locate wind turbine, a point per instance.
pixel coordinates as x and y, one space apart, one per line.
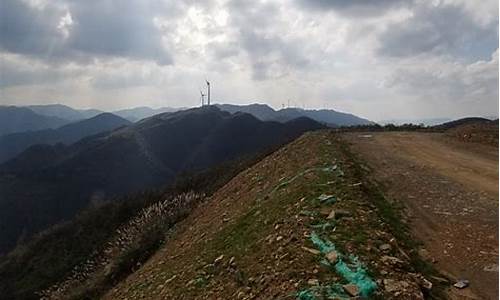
202 98
208 87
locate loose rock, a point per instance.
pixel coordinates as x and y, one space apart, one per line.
391 260
313 282
332 257
385 247
313 251
393 286
219 259
491 268
461 284
351 289
426 284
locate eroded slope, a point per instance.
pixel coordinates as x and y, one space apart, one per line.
301 224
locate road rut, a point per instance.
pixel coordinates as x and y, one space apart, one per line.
450 193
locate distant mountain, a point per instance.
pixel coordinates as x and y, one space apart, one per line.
72 114
46 184
425 121
18 119
13 144
139 113
260 111
462 121
63 111
327 116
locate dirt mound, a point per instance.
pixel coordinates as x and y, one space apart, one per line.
476 132
301 224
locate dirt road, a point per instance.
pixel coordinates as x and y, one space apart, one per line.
450 193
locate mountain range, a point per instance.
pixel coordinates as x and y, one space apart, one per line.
329 117
263 112
139 113
72 114
64 112
13 144
424 121
18 119
49 183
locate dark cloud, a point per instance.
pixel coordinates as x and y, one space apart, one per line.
271 55
354 8
444 29
109 28
29 31
117 28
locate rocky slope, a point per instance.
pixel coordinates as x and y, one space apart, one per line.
304 223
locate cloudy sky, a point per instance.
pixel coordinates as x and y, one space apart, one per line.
379 59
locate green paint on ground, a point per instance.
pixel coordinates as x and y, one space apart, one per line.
354 273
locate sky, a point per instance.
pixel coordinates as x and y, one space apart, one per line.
379 59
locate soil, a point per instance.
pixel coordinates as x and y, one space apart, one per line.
449 191
479 132
253 239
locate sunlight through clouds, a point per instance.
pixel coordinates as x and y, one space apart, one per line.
351 56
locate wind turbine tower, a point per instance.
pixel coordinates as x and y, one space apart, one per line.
202 98
208 95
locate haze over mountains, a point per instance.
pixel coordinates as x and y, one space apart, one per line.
46 184
264 112
66 114
18 119
138 113
72 114
15 143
